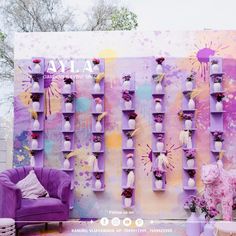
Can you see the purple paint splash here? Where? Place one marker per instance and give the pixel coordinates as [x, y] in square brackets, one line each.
[203, 56]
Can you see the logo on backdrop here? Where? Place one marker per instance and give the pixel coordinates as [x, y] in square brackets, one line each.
[72, 66]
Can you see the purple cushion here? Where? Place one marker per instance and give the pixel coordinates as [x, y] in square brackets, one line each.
[40, 206]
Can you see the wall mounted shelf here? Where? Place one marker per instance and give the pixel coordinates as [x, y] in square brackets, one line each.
[130, 151]
[68, 129]
[158, 110]
[216, 117]
[189, 164]
[98, 107]
[37, 124]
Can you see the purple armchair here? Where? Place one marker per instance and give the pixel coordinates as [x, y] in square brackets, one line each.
[28, 211]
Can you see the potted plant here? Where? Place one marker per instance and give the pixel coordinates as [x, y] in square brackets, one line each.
[189, 83]
[31, 155]
[190, 156]
[126, 86]
[129, 142]
[130, 178]
[162, 161]
[187, 119]
[66, 163]
[127, 100]
[68, 103]
[217, 84]
[67, 143]
[158, 122]
[96, 62]
[218, 140]
[131, 121]
[36, 124]
[98, 182]
[189, 144]
[130, 135]
[97, 143]
[215, 67]
[210, 214]
[35, 99]
[37, 66]
[193, 224]
[159, 68]
[67, 85]
[32, 159]
[191, 181]
[95, 163]
[35, 86]
[97, 79]
[129, 161]
[98, 106]
[127, 194]
[34, 142]
[160, 144]
[158, 79]
[192, 95]
[219, 103]
[158, 174]
[158, 106]
[185, 138]
[67, 125]
[98, 125]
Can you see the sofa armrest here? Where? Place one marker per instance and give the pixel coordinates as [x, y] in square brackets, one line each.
[64, 191]
[10, 198]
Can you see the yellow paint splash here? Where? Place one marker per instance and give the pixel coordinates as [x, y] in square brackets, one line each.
[25, 98]
[113, 140]
[109, 55]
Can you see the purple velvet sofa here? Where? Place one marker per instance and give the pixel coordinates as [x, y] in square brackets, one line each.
[28, 211]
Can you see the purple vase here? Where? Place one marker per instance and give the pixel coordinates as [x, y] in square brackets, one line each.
[209, 228]
[193, 225]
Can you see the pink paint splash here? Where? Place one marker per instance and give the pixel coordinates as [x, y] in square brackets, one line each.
[203, 56]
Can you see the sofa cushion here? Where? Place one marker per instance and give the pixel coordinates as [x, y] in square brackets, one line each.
[31, 187]
[30, 207]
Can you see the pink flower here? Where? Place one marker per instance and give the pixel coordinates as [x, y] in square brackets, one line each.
[98, 100]
[36, 61]
[129, 155]
[96, 61]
